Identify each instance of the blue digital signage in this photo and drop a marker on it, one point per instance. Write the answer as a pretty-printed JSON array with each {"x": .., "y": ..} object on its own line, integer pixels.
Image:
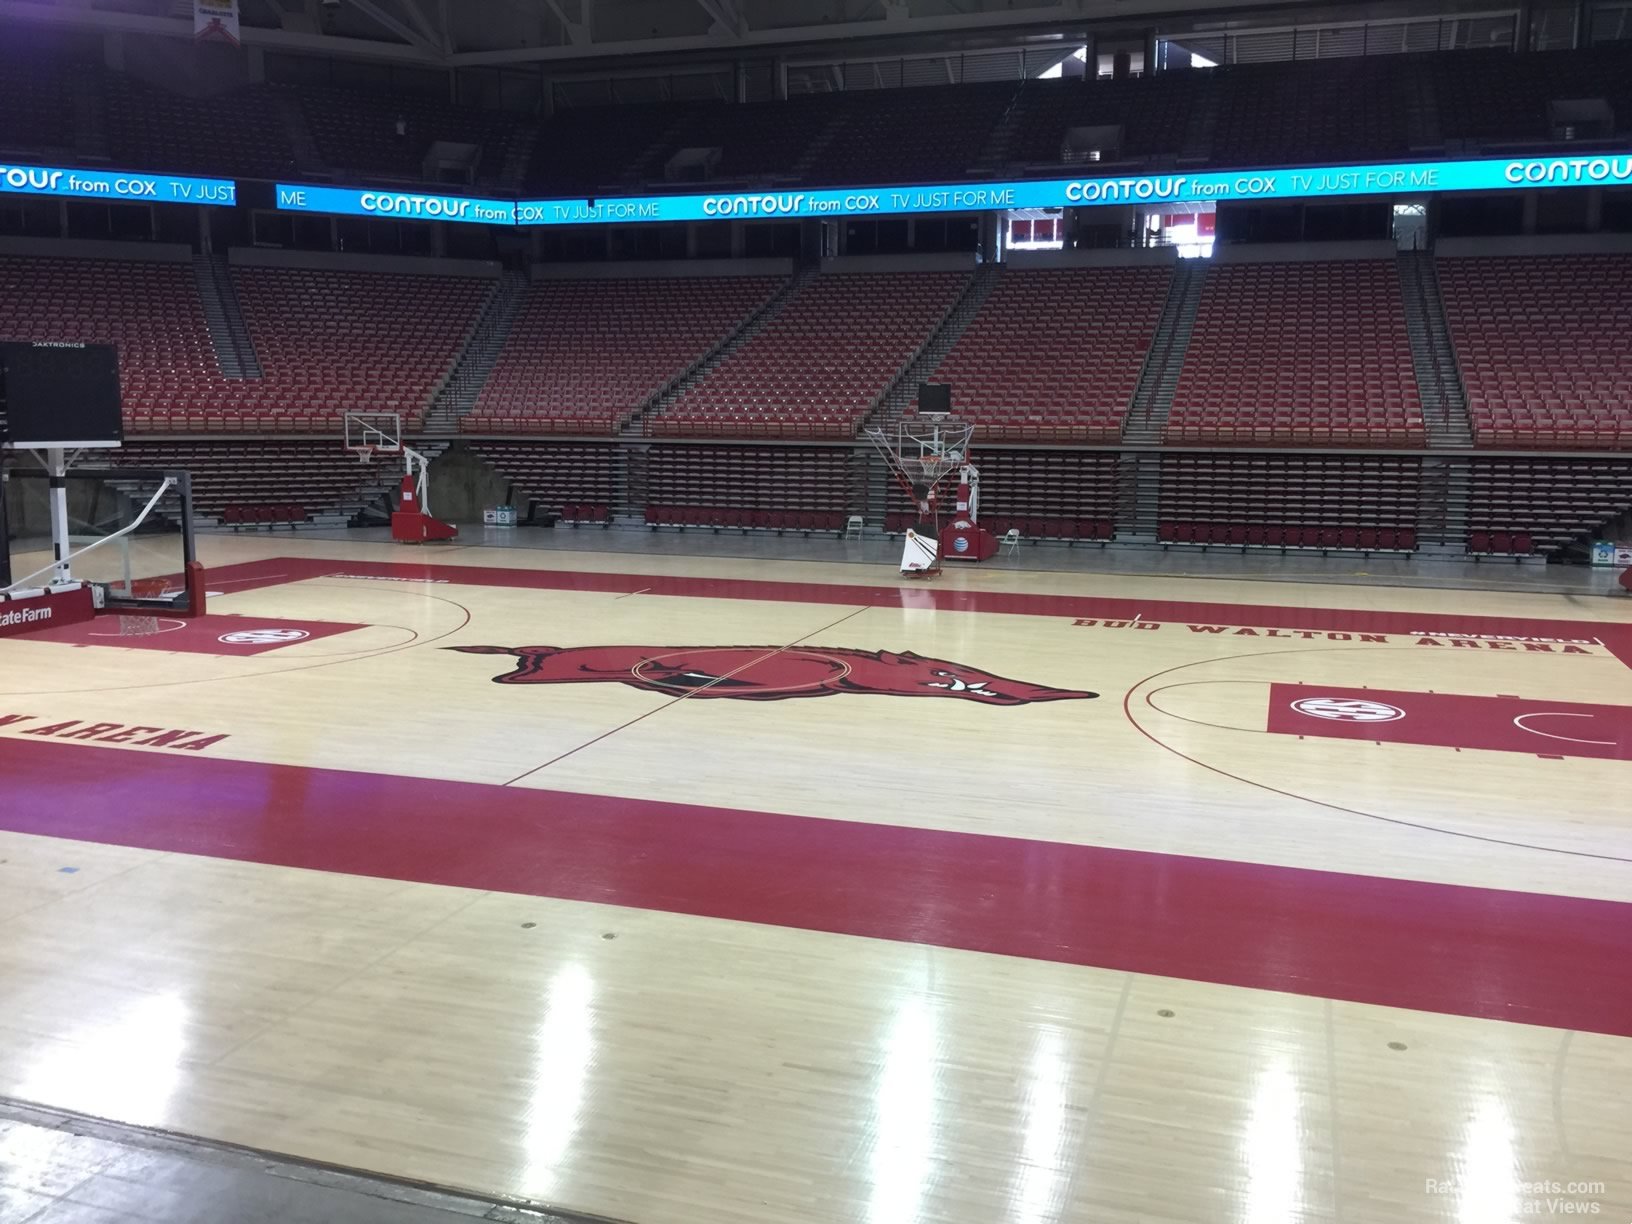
[
  {"x": 398, "y": 205},
  {"x": 115, "y": 185},
  {"x": 1304, "y": 183}
]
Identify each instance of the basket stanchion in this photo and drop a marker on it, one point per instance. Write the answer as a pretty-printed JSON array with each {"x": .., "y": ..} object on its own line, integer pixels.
[{"x": 922, "y": 450}]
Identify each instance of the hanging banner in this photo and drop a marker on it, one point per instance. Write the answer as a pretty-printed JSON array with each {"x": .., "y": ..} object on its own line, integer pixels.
[
  {"x": 1299, "y": 183},
  {"x": 216, "y": 20},
  {"x": 399, "y": 205},
  {"x": 115, "y": 185},
  {"x": 1380, "y": 180}
]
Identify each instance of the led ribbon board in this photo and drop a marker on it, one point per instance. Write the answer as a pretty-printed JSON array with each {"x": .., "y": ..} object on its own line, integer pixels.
[
  {"x": 1305, "y": 183},
  {"x": 398, "y": 205},
  {"x": 116, "y": 185}
]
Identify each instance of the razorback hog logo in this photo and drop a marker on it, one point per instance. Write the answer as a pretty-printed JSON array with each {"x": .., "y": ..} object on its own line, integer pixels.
[{"x": 766, "y": 673}]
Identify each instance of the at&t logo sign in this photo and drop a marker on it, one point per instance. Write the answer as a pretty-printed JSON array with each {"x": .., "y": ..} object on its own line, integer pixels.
[
  {"x": 262, "y": 637},
  {"x": 1348, "y": 709}
]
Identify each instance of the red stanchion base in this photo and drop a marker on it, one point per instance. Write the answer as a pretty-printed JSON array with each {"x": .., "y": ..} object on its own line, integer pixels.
[
  {"x": 412, "y": 527},
  {"x": 967, "y": 542},
  {"x": 47, "y": 610}
]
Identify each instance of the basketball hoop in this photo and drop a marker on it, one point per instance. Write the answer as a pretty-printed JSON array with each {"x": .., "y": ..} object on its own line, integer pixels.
[
  {"x": 922, "y": 450},
  {"x": 142, "y": 624},
  {"x": 371, "y": 433},
  {"x": 150, "y": 588}
]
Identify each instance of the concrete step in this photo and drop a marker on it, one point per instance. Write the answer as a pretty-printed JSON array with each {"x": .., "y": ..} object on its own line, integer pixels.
[
  {"x": 229, "y": 354},
  {"x": 1438, "y": 378},
  {"x": 480, "y": 353},
  {"x": 1153, "y": 396}
]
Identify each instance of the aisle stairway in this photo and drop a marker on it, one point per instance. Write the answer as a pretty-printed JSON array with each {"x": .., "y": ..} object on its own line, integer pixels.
[
  {"x": 481, "y": 351},
  {"x": 234, "y": 350},
  {"x": 903, "y": 393},
  {"x": 1153, "y": 398},
  {"x": 640, "y": 423},
  {"x": 1439, "y": 383}
]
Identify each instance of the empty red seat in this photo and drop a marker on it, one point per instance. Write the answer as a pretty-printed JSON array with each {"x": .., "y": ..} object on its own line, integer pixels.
[
  {"x": 821, "y": 363},
  {"x": 584, "y": 355},
  {"x": 1056, "y": 354},
  {"x": 1299, "y": 354}
]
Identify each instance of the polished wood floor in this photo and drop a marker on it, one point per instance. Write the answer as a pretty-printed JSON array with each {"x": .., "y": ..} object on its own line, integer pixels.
[{"x": 721, "y": 938}]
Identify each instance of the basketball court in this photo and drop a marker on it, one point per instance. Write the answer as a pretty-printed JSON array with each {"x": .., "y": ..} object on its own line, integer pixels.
[
  {"x": 667, "y": 887},
  {"x": 512, "y": 706}
]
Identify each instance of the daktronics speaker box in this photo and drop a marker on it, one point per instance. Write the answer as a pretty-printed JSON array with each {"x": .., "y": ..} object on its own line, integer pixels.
[
  {"x": 60, "y": 394},
  {"x": 934, "y": 397}
]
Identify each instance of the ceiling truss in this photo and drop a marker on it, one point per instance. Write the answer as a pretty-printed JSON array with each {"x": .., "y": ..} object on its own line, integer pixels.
[{"x": 574, "y": 34}]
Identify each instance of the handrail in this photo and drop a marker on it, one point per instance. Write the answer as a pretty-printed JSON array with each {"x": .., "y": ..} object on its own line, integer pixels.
[{"x": 169, "y": 482}]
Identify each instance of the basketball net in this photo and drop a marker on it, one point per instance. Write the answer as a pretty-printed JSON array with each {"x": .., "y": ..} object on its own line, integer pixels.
[
  {"x": 922, "y": 450},
  {"x": 140, "y": 624},
  {"x": 137, "y": 625}
]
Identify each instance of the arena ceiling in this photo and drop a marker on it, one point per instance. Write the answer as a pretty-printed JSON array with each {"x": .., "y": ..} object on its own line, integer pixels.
[{"x": 469, "y": 33}]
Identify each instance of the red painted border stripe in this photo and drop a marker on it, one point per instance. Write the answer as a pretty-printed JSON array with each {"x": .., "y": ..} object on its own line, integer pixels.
[
  {"x": 1615, "y": 637},
  {"x": 1536, "y": 959}
]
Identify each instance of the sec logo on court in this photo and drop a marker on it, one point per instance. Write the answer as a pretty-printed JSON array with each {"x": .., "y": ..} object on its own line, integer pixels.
[
  {"x": 262, "y": 637},
  {"x": 1348, "y": 709}
]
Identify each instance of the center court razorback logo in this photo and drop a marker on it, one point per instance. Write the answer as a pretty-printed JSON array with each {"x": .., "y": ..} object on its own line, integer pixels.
[{"x": 766, "y": 673}]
